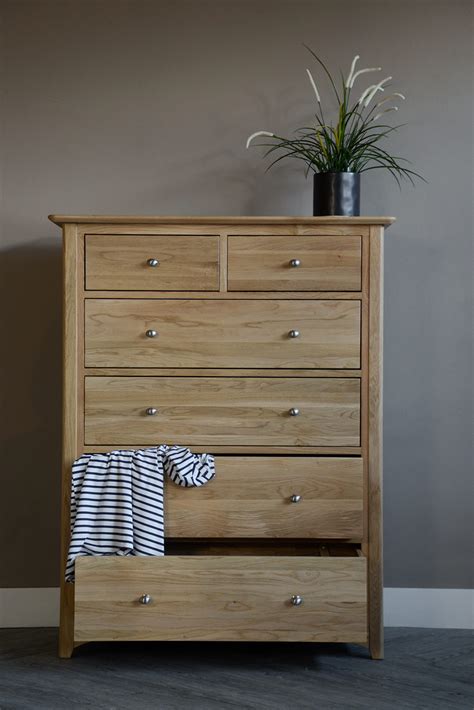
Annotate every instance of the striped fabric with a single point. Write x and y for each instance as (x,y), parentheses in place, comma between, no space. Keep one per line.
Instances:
(117,499)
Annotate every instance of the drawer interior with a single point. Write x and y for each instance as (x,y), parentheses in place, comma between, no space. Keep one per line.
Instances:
(262,547)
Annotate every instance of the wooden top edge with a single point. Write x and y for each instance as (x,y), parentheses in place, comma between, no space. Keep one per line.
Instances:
(61,219)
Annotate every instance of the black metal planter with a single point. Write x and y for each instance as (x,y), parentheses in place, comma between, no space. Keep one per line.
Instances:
(336,194)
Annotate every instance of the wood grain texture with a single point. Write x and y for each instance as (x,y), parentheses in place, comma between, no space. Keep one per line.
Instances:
(246,450)
(226,598)
(210,333)
(375,455)
(222,410)
(223,263)
(120,262)
(71,410)
(229,295)
(252,497)
(263,263)
(231,220)
(297,229)
(218,372)
(258,229)
(364,419)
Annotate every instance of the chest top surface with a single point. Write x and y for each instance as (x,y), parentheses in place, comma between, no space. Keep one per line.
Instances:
(156,219)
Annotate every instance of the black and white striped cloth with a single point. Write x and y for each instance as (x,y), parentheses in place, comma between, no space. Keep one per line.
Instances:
(117,499)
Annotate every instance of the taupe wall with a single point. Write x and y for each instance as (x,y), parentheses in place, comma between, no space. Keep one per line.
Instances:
(144,107)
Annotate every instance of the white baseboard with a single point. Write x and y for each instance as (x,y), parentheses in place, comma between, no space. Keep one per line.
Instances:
(25,607)
(427,608)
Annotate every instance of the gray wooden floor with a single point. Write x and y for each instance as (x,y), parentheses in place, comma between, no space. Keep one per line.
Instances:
(423,668)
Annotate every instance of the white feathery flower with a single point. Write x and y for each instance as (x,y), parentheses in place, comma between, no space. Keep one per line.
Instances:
(392,108)
(390,98)
(363,71)
(377,87)
(365,92)
(349,78)
(313,84)
(258,133)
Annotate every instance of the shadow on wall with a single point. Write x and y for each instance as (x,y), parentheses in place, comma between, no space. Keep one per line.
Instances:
(226,183)
(30,369)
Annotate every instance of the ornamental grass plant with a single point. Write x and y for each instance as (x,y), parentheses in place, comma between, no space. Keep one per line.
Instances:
(354,141)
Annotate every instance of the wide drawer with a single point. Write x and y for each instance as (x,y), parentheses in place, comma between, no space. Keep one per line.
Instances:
(158,263)
(302,263)
(244,411)
(221,598)
(270,497)
(212,333)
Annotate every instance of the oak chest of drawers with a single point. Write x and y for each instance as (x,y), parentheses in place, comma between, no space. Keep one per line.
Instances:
(258,340)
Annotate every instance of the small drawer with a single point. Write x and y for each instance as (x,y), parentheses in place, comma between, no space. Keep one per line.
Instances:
(269,497)
(302,263)
(219,334)
(221,598)
(207,411)
(152,263)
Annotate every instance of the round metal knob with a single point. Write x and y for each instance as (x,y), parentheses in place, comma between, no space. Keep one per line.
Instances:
(153,262)
(145,599)
(295,498)
(296,600)
(295,263)
(294,411)
(294,333)
(151,334)
(151,411)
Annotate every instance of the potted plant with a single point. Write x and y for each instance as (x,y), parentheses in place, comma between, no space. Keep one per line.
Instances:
(338,152)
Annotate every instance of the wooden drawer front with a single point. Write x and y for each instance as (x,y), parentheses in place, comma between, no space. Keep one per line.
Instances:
(264,263)
(243,411)
(221,598)
(212,333)
(254,497)
(120,262)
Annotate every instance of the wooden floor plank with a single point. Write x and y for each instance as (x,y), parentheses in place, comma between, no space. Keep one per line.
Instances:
(423,669)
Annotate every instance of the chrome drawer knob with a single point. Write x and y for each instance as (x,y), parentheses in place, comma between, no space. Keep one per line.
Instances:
(151,411)
(294,333)
(151,334)
(295,263)
(294,412)
(145,599)
(295,498)
(296,600)
(153,262)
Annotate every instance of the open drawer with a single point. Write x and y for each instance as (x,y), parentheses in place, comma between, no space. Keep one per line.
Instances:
(227,598)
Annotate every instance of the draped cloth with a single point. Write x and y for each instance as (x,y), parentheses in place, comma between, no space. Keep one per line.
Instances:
(117,499)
